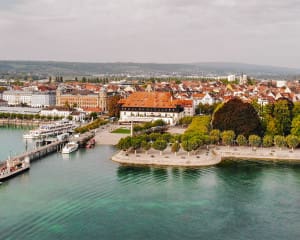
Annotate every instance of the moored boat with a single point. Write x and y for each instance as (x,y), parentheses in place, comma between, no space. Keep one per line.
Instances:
(12,168)
(55,128)
(70,147)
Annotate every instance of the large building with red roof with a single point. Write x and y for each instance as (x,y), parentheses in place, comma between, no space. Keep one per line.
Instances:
(151,106)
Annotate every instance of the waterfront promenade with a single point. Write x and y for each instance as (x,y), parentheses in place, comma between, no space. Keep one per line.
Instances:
(207,157)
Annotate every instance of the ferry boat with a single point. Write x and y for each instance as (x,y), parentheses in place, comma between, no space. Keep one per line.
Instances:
(12,168)
(70,147)
(56,128)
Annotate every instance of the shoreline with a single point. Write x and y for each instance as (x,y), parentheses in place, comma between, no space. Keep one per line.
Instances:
(210,157)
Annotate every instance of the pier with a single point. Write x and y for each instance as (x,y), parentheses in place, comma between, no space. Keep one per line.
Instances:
(82,138)
(52,145)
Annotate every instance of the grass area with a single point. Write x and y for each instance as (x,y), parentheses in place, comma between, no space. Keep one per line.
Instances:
(122,130)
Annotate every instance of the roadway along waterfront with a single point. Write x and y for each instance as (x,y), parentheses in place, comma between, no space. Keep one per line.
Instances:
(87,196)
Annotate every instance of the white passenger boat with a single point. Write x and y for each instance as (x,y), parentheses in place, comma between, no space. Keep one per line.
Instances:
(56,128)
(12,168)
(70,147)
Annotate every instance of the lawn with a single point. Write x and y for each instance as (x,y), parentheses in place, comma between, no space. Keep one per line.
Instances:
(122,130)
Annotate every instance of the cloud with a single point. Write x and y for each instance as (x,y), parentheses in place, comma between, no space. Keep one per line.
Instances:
(264,31)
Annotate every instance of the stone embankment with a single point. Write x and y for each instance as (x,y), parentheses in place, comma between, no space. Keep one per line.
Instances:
(22,122)
(203,158)
(209,157)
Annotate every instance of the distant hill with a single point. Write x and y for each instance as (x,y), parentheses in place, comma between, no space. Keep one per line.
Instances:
(76,68)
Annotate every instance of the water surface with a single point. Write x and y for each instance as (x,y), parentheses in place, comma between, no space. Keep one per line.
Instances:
(87,196)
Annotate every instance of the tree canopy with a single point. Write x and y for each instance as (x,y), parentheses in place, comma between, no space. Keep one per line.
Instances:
(238,116)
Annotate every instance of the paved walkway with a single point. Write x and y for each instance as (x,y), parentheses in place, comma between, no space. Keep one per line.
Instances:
(104,136)
(153,157)
(209,157)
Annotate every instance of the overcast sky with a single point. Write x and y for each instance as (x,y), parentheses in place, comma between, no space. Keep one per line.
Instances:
(249,31)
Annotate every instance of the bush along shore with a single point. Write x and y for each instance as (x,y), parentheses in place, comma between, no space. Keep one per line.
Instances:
(235,130)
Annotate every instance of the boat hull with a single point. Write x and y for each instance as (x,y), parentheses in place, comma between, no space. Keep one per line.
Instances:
(13,174)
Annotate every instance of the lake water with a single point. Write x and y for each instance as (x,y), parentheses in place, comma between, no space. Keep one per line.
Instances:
(87,196)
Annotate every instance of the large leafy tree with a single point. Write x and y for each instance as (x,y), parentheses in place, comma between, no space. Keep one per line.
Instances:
(283,116)
(113,106)
(238,116)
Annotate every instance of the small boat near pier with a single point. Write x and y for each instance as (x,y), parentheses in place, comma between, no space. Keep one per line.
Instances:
(70,147)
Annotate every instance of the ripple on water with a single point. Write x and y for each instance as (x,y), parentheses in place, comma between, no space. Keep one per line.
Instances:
(87,196)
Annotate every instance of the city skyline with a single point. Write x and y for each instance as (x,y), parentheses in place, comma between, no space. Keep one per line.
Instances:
(260,32)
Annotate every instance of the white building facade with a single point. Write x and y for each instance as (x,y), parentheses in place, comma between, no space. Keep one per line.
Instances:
(30,98)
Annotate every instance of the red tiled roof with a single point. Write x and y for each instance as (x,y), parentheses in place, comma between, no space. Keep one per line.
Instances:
(91,109)
(149,100)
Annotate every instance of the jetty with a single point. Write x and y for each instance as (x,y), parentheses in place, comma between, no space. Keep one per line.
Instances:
(51,146)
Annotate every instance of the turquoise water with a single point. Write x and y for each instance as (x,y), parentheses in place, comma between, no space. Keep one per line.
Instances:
(87,196)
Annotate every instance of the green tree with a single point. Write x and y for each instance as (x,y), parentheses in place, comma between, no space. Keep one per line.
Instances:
(268,141)
(254,140)
(195,143)
(176,138)
(124,143)
(166,136)
(271,127)
(187,146)
(279,141)
(93,115)
(296,126)
(175,148)
(154,136)
(160,145)
(241,140)
(292,141)
(214,136)
(146,146)
(296,109)
(228,137)
(283,116)
(135,144)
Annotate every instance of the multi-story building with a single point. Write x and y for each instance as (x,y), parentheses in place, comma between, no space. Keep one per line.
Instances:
(30,98)
(82,99)
(43,99)
(17,97)
(150,106)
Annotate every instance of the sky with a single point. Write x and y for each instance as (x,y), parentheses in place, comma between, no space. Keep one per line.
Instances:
(166,31)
